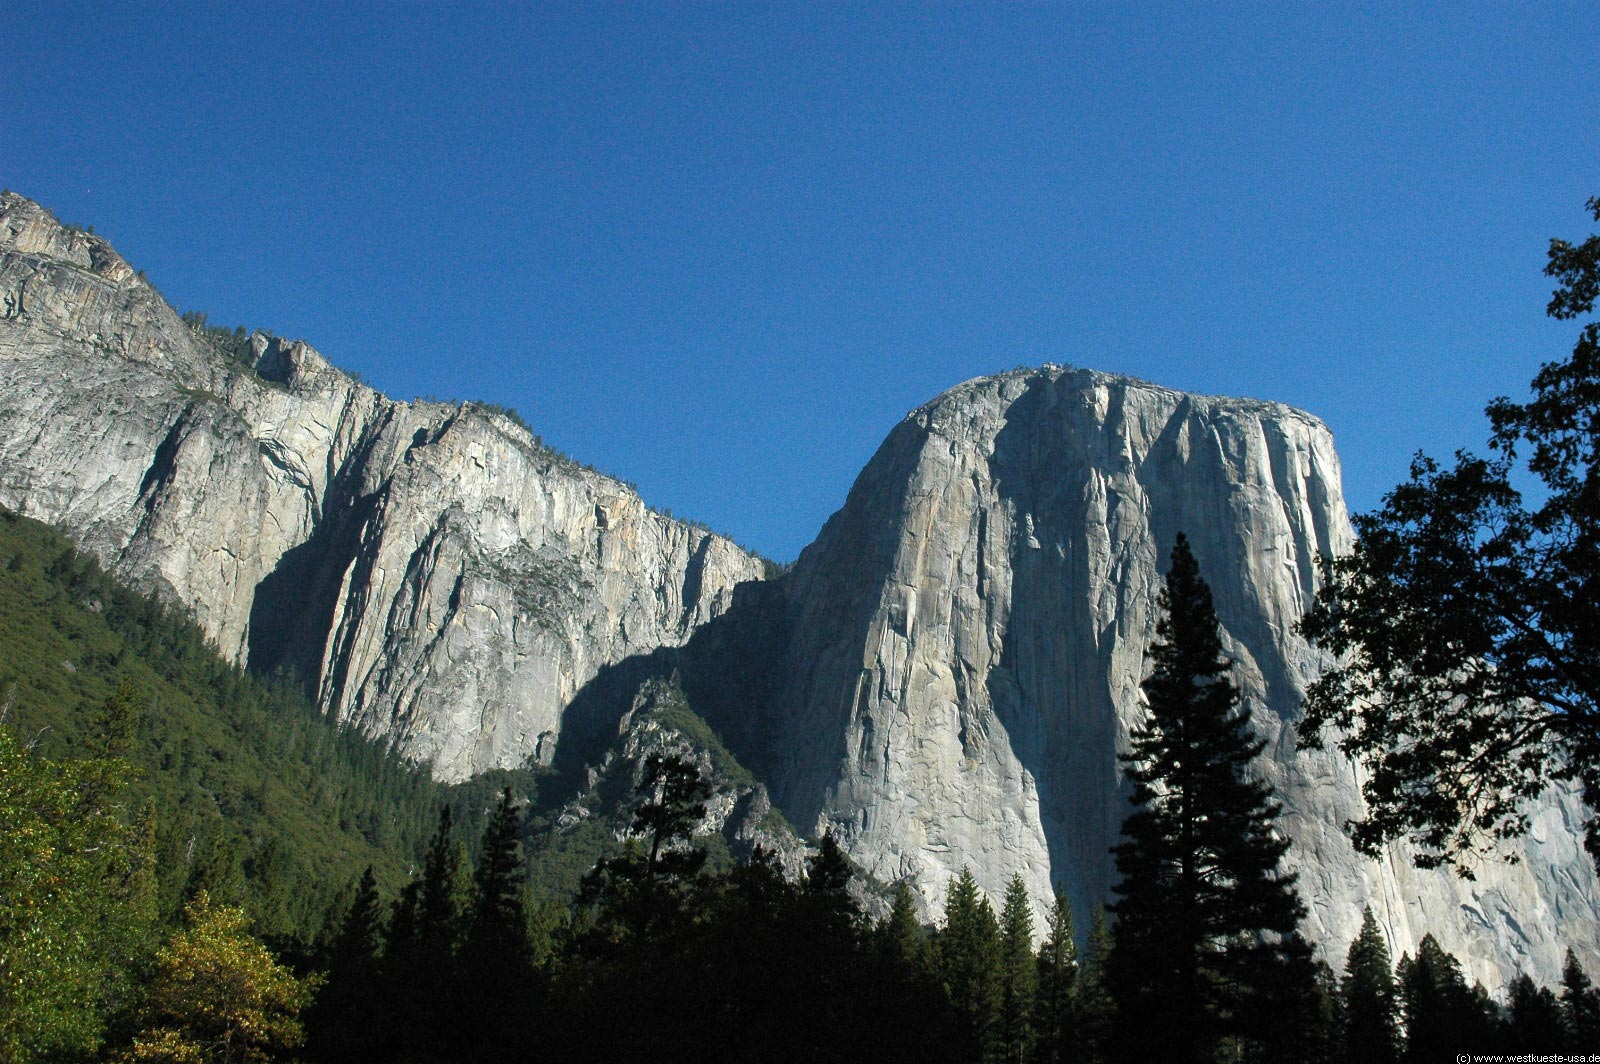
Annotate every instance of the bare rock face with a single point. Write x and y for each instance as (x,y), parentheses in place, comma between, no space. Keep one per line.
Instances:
(430,570)
(968,635)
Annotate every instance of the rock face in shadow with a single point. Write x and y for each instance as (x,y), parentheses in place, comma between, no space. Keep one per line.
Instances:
(428,570)
(968,634)
(944,678)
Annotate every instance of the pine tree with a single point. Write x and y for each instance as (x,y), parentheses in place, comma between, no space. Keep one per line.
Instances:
(900,936)
(1057,984)
(496,961)
(1018,974)
(499,918)
(1203,904)
(1094,1012)
(828,876)
(421,955)
(341,1023)
(1580,1001)
(1371,1007)
(675,804)
(1296,1014)
(969,955)
(650,878)
(1534,1020)
(1443,1016)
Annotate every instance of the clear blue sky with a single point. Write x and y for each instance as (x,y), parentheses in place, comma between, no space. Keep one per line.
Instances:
(720,249)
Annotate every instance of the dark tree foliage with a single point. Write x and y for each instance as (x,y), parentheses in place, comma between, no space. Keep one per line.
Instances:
(1203,904)
(969,963)
(1295,1014)
(1053,1008)
(1018,976)
(743,965)
(1094,1012)
(901,937)
(1443,1016)
(1467,619)
(1580,1002)
(1534,1022)
(1371,1005)
(498,914)
(828,872)
(347,1009)
(498,981)
(649,881)
(421,973)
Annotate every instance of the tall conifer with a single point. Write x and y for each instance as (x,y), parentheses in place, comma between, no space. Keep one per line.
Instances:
(1094,1013)
(1058,977)
(1580,1001)
(1018,975)
(496,967)
(1203,903)
(1443,1016)
(1371,1007)
(969,956)
(344,1019)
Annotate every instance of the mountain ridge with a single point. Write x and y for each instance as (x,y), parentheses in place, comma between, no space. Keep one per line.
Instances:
(943,678)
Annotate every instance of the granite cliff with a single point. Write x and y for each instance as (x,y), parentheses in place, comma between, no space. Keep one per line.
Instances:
(944,678)
(963,646)
(427,569)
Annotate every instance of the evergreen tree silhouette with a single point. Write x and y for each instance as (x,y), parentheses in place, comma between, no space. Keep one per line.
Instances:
(342,1023)
(1018,976)
(969,963)
(421,955)
(1053,1011)
(1203,903)
(497,989)
(1580,1001)
(1094,1013)
(1534,1019)
(1442,1014)
(1371,1004)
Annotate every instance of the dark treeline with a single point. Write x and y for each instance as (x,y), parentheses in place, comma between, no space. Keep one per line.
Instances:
(657,960)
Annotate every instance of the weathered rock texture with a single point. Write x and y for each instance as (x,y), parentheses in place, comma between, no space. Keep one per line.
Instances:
(428,569)
(967,636)
(944,678)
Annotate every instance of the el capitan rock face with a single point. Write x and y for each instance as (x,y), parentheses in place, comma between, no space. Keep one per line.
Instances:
(945,676)
(968,634)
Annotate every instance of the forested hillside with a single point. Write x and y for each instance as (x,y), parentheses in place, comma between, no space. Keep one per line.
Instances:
(256,796)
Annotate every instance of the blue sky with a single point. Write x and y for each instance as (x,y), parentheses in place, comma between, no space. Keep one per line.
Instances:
(720,249)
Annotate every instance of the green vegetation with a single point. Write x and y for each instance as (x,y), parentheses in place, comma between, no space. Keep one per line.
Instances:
(252,786)
(232,344)
(1467,621)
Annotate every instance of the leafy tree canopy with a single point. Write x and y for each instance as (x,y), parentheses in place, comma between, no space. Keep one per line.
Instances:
(1466,621)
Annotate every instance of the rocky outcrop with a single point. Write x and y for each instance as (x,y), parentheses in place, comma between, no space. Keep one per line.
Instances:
(966,639)
(429,570)
(659,721)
